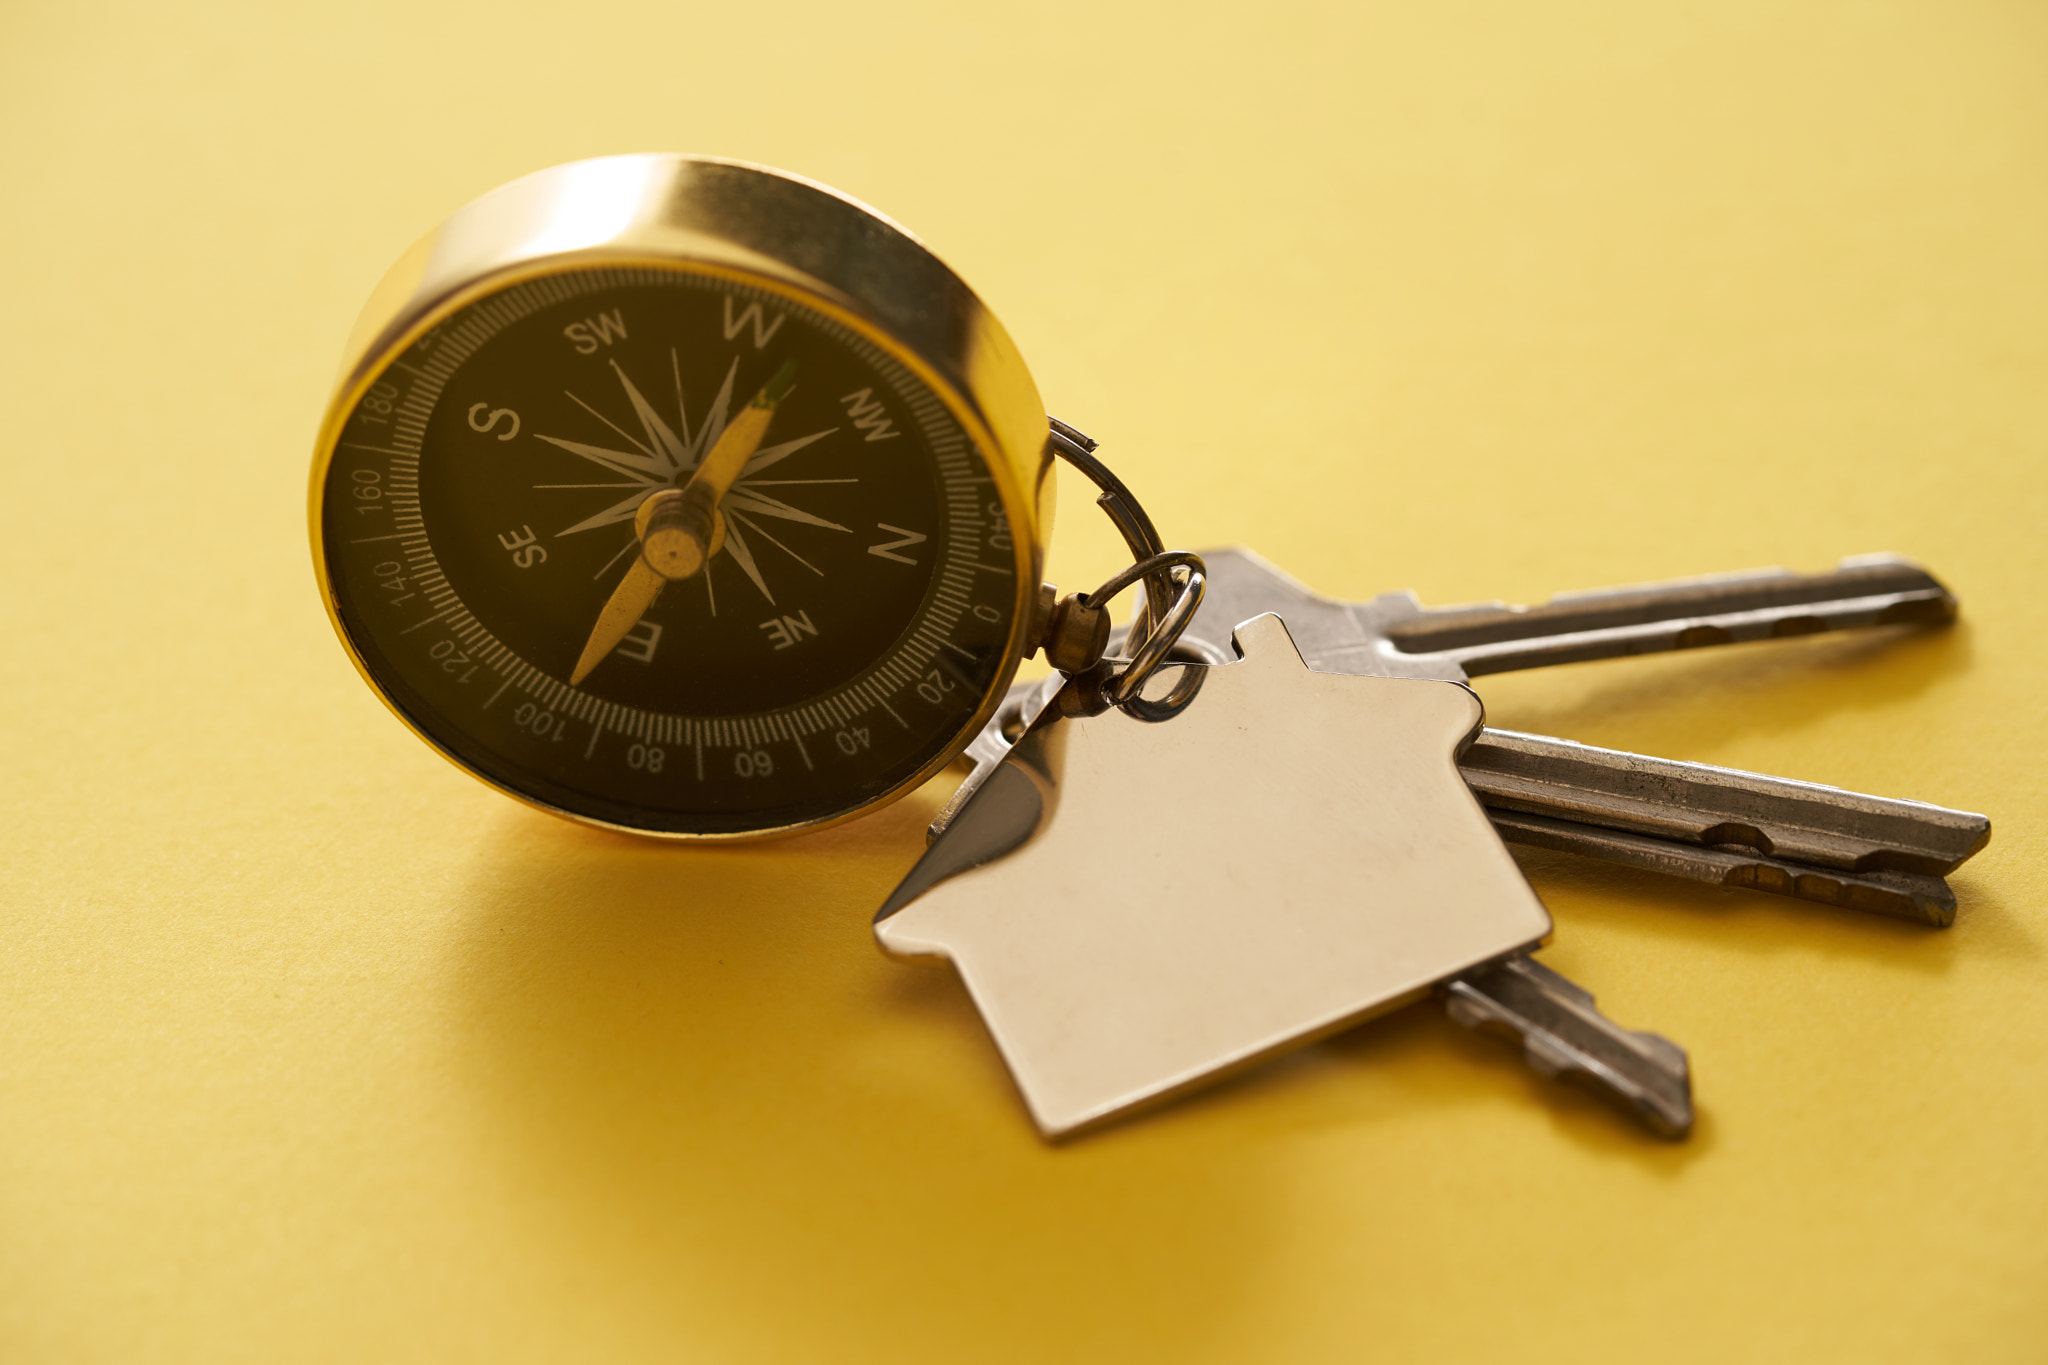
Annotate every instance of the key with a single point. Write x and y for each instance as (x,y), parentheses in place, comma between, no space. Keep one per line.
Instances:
(1563,1035)
(1717,825)
(1695,820)
(1139,908)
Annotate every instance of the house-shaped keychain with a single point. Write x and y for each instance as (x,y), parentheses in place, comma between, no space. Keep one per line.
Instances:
(1139,907)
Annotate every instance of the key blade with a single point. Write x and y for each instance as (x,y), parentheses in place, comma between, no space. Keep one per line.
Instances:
(1652,618)
(1707,806)
(1395,636)
(1564,1036)
(1020,706)
(1902,895)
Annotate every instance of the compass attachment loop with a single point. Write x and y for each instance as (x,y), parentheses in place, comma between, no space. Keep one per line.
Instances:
(1173,585)
(1125,688)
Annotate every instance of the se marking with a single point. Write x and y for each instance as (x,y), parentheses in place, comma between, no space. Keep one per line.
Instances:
(520,544)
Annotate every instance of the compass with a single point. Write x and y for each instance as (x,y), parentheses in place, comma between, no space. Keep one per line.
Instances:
(684,497)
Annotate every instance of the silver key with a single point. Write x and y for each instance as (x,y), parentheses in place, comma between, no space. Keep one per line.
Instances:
(1308,857)
(1695,820)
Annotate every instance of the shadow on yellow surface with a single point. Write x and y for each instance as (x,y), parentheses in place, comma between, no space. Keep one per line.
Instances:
(708,1076)
(714,1087)
(707,1085)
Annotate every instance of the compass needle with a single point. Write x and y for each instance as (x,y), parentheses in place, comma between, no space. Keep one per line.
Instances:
(679,530)
(622,611)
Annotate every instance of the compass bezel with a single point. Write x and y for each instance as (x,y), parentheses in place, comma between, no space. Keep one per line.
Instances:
(753,226)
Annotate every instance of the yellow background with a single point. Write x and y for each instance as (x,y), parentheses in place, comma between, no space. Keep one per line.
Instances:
(312,1048)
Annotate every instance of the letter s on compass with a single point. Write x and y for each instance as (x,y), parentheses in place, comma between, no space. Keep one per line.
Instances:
(485,418)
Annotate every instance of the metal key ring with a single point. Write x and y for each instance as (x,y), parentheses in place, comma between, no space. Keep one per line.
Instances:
(1124,689)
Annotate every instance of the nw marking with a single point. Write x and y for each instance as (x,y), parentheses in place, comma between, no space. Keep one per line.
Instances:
(868,415)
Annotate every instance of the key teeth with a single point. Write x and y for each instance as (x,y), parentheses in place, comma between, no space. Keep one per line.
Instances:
(1501,1000)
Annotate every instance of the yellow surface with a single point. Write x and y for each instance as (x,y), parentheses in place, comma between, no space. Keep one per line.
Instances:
(312,1048)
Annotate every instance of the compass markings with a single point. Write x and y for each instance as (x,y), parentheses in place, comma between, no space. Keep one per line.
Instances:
(762,532)
(763,505)
(743,555)
(658,432)
(629,545)
(445,611)
(775,454)
(654,459)
(645,468)
(714,420)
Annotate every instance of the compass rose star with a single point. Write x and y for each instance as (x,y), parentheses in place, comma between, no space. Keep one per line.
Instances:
(662,455)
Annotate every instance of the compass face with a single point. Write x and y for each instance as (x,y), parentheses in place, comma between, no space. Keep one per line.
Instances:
(478,515)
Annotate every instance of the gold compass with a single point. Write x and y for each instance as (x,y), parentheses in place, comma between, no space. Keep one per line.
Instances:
(685,497)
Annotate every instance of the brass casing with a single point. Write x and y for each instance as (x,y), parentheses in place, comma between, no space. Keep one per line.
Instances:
(759,226)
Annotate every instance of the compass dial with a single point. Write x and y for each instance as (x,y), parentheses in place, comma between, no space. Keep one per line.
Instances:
(478,512)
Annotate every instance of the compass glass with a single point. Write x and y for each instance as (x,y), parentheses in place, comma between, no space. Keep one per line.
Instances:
(478,515)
